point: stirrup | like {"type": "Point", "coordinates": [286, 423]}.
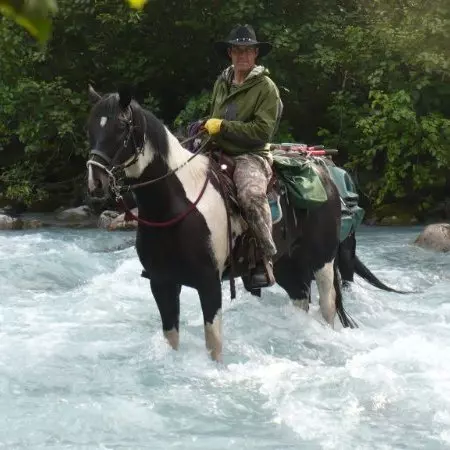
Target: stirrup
{"type": "Point", "coordinates": [262, 278]}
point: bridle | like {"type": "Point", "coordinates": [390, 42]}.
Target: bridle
{"type": "Point", "coordinates": [117, 189]}
{"type": "Point", "coordinates": [111, 162]}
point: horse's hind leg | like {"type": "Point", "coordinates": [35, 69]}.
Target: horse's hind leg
{"type": "Point", "coordinates": [327, 294]}
{"type": "Point", "coordinates": [303, 300]}
{"type": "Point", "coordinates": [346, 259]}
{"type": "Point", "coordinates": [167, 296]}
{"type": "Point", "coordinates": [210, 293]}
{"type": "Point", "coordinates": [295, 280]}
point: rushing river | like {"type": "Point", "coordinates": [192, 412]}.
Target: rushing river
{"type": "Point", "coordinates": [83, 364]}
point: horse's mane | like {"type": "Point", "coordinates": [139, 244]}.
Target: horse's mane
{"type": "Point", "coordinates": [144, 121]}
{"type": "Point", "coordinates": [156, 133]}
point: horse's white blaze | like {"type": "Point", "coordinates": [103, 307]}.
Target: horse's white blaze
{"type": "Point", "coordinates": [136, 169]}
{"type": "Point", "coordinates": [103, 121]}
{"type": "Point", "coordinates": [173, 337]}
{"type": "Point", "coordinates": [327, 294]}
{"type": "Point", "coordinates": [211, 205]}
{"type": "Point", "coordinates": [301, 304]}
{"type": "Point", "coordinates": [213, 336]}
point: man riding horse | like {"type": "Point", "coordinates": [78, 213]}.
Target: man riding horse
{"type": "Point", "coordinates": [245, 112]}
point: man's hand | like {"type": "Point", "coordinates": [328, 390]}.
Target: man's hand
{"type": "Point", "coordinates": [212, 126]}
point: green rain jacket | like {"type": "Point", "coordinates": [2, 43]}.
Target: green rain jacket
{"type": "Point", "coordinates": [250, 112]}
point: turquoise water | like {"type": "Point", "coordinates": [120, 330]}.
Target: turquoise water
{"type": "Point", "coordinates": [83, 364]}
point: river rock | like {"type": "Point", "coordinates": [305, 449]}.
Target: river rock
{"type": "Point", "coordinates": [13, 223]}
{"type": "Point", "coordinates": [435, 237]}
{"type": "Point", "coordinates": [80, 217]}
{"type": "Point", "coordinates": [73, 214]}
{"type": "Point", "coordinates": [6, 222]}
{"type": "Point", "coordinates": [119, 222]}
{"type": "Point", "coordinates": [28, 224]}
{"type": "Point", "coordinates": [106, 218]}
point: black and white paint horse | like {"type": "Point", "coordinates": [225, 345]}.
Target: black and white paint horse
{"type": "Point", "coordinates": [182, 237]}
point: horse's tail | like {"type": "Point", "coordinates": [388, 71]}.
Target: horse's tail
{"type": "Point", "coordinates": [344, 317]}
{"type": "Point", "coordinates": [363, 271]}
{"type": "Point", "coordinates": [349, 264]}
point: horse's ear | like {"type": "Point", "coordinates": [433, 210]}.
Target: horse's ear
{"type": "Point", "coordinates": [94, 96]}
{"type": "Point", "coordinates": [125, 96]}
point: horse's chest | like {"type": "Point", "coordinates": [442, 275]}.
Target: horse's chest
{"type": "Point", "coordinates": [173, 254]}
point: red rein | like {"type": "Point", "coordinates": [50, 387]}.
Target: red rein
{"type": "Point", "coordinates": [129, 216]}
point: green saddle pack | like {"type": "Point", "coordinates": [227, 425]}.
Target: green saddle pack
{"type": "Point", "coordinates": [352, 214]}
{"type": "Point", "coordinates": [300, 179]}
{"type": "Point", "coordinates": [306, 190]}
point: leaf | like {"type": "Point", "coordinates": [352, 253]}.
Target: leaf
{"type": "Point", "coordinates": [33, 15]}
{"type": "Point", "coordinates": [137, 4]}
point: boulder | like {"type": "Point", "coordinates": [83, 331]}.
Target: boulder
{"type": "Point", "coordinates": [106, 218]}
{"type": "Point", "coordinates": [435, 237]}
{"type": "Point", "coordinates": [73, 214]}
{"type": "Point", "coordinates": [29, 224]}
{"type": "Point", "coordinates": [13, 223]}
{"type": "Point", "coordinates": [80, 217]}
{"type": "Point", "coordinates": [119, 222]}
{"type": "Point", "coordinates": [7, 222]}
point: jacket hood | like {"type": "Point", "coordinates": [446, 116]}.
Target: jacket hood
{"type": "Point", "coordinates": [257, 71]}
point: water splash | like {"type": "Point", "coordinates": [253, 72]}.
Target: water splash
{"type": "Point", "coordinates": [83, 363]}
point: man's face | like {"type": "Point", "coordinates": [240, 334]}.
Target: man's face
{"type": "Point", "coordinates": [243, 57]}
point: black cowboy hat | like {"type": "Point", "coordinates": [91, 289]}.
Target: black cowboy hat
{"type": "Point", "coordinates": [242, 35]}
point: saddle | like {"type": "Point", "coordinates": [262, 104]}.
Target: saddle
{"type": "Point", "coordinates": [224, 169]}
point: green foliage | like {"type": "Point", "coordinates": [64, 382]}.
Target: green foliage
{"type": "Point", "coordinates": [18, 184]}
{"type": "Point", "coordinates": [196, 108]}
{"type": "Point", "coordinates": [284, 132]}
{"type": "Point", "coordinates": [48, 116]}
{"type": "Point", "coordinates": [415, 149]}
{"type": "Point", "coordinates": [34, 16]}
{"type": "Point", "coordinates": [391, 115]}
{"type": "Point", "coordinates": [369, 77]}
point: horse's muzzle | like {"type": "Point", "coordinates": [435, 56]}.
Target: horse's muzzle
{"type": "Point", "coordinates": [98, 183]}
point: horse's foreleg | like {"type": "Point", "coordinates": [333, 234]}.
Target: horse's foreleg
{"type": "Point", "coordinates": [167, 296]}
{"type": "Point", "coordinates": [210, 294]}
{"type": "Point", "coordinates": [327, 294]}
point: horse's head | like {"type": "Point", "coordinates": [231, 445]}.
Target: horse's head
{"type": "Point", "coordinates": [116, 138]}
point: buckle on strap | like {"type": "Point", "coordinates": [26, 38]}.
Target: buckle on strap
{"type": "Point", "coordinates": [105, 158]}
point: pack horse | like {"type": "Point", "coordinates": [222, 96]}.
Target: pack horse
{"type": "Point", "coordinates": [190, 230]}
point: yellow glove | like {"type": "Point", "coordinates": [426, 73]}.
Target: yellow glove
{"type": "Point", "coordinates": [212, 126]}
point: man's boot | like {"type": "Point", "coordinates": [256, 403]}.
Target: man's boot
{"type": "Point", "coordinates": [262, 275]}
